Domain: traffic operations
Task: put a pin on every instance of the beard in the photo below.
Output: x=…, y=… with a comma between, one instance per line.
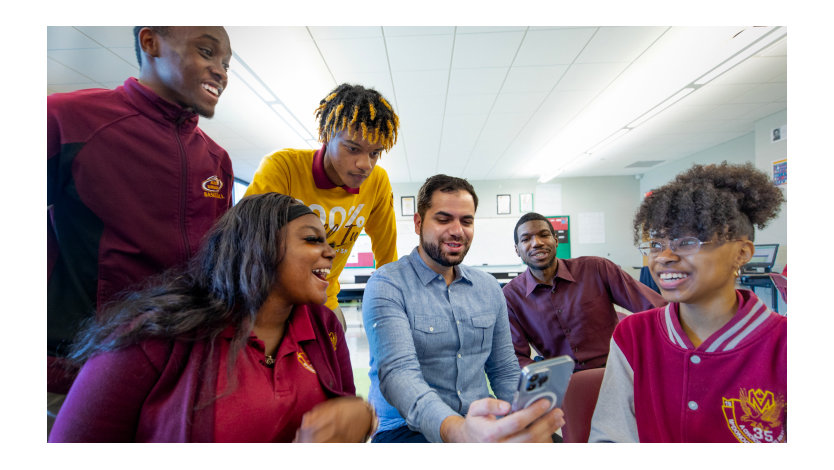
x=434, y=251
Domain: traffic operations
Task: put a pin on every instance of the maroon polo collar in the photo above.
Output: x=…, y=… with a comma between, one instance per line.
x=320, y=176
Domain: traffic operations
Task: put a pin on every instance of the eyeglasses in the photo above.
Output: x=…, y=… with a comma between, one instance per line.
x=679, y=246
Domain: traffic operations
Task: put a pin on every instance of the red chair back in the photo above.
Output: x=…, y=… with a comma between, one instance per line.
x=580, y=401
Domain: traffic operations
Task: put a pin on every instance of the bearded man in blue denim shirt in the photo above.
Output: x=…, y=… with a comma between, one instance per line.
x=437, y=329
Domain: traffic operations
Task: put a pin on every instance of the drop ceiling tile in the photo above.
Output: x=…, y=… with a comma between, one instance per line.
x=452, y=165
x=478, y=105
x=321, y=33
x=766, y=110
x=562, y=105
x=619, y=44
x=128, y=54
x=421, y=82
x=99, y=64
x=489, y=29
x=523, y=103
x=485, y=49
x=419, y=52
x=501, y=129
x=530, y=79
x=584, y=77
x=778, y=49
x=111, y=36
x=59, y=74
x=68, y=87
x=395, y=31
x=475, y=81
x=460, y=133
x=380, y=82
x=730, y=110
x=350, y=55
x=765, y=93
x=716, y=94
x=754, y=70
x=553, y=46
x=65, y=37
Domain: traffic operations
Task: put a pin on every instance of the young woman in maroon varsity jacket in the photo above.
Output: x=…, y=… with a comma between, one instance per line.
x=711, y=365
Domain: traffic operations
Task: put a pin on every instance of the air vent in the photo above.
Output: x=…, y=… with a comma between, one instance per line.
x=645, y=163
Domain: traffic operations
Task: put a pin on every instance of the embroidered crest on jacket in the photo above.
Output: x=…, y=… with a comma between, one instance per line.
x=212, y=186
x=755, y=416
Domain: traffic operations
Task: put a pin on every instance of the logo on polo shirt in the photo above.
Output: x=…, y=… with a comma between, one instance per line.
x=212, y=186
x=304, y=361
x=755, y=416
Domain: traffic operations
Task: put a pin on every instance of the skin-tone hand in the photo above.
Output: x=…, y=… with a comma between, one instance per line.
x=342, y=419
x=484, y=423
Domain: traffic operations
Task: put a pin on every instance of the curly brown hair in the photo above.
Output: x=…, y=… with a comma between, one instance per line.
x=720, y=202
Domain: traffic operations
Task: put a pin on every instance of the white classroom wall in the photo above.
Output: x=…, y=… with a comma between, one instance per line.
x=616, y=197
x=611, y=200
x=754, y=147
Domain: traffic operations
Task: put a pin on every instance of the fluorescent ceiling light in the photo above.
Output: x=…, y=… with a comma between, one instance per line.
x=549, y=176
x=245, y=74
x=596, y=148
x=291, y=120
x=657, y=109
x=738, y=58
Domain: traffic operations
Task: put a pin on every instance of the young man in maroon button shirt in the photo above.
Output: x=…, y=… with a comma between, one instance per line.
x=566, y=306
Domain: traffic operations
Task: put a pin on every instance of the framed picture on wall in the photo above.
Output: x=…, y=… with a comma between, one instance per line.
x=503, y=204
x=407, y=205
x=525, y=202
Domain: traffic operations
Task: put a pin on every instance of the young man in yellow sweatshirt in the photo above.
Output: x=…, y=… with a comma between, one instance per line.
x=340, y=182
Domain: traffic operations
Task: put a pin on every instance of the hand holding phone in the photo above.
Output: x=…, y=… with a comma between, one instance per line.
x=544, y=379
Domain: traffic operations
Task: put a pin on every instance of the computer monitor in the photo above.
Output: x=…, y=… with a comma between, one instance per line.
x=763, y=259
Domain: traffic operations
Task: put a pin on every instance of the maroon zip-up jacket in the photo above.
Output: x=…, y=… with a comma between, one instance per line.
x=132, y=186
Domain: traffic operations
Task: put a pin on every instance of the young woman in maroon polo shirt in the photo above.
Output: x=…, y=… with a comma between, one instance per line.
x=711, y=366
x=236, y=347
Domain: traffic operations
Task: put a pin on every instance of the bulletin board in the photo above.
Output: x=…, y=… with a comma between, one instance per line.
x=361, y=256
x=561, y=224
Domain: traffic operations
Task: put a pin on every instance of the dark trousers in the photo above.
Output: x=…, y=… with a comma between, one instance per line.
x=401, y=434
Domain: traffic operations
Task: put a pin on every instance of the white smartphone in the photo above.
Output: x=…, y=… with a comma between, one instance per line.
x=543, y=379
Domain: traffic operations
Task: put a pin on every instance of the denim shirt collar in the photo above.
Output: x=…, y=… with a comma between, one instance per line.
x=427, y=274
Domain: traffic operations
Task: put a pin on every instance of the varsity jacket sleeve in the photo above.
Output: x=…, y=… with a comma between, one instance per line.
x=382, y=224
x=614, y=419
x=273, y=175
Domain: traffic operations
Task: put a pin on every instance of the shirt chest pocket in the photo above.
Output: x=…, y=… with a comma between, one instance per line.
x=479, y=334
x=432, y=334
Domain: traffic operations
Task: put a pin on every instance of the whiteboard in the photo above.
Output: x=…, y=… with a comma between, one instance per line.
x=492, y=244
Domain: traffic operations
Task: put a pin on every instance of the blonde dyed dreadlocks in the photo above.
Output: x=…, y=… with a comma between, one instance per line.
x=355, y=108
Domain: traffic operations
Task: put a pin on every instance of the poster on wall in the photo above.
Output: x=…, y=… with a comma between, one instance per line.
x=778, y=134
x=361, y=256
x=591, y=227
x=780, y=172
